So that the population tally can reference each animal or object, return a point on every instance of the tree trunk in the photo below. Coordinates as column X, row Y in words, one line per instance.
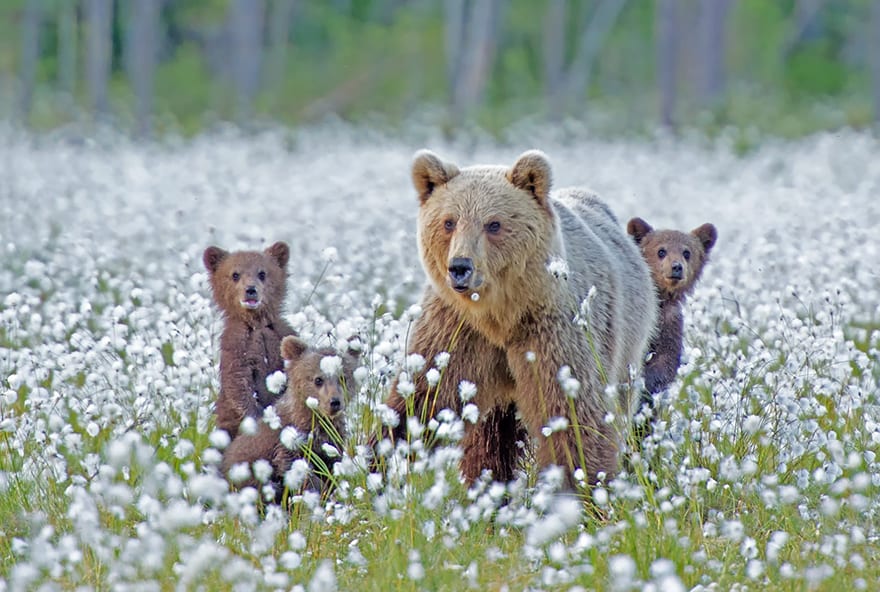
column 477, row 57
column 30, row 56
column 246, row 22
column 67, row 52
column 99, row 15
column 554, row 54
column 142, row 52
column 667, row 59
column 713, row 15
column 592, row 40
column 279, row 37
column 874, row 48
column 453, row 15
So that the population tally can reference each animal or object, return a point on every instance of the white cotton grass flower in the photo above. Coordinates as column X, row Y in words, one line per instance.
column 565, row 513
column 470, row 413
column 262, row 470
column 331, row 365
column 329, row 255
column 475, row 296
column 324, row 578
column 570, row 385
column 219, row 439
column 556, row 424
column 270, row 417
column 414, row 363
column 291, row 438
column 239, row 472
column 441, row 360
column 558, row 268
column 329, row 450
column 248, row 426
column 276, row 382
column 432, row 376
column 312, row 403
column 467, row 390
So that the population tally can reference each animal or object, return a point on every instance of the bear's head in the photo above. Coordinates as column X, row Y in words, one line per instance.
column 248, row 284
column 676, row 258
column 482, row 229
column 322, row 375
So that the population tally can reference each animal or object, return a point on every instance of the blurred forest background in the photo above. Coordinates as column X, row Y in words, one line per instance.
column 782, row 67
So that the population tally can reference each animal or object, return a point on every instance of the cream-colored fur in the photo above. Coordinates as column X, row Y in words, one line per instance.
column 487, row 235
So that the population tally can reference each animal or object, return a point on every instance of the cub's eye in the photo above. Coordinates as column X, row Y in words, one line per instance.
column 686, row 255
column 493, row 227
column 449, row 225
column 236, row 276
column 319, row 381
column 262, row 276
column 661, row 253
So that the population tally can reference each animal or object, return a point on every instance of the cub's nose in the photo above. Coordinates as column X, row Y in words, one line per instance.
column 460, row 271
column 335, row 404
column 677, row 270
column 251, row 292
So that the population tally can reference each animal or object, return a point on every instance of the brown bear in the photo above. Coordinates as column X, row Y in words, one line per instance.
column 249, row 287
column 542, row 302
column 319, row 382
column 676, row 260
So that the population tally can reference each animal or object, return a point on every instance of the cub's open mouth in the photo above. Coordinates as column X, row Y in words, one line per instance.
column 250, row 304
column 461, row 289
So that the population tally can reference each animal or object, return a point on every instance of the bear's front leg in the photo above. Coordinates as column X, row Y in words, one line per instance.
column 496, row 443
column 569, row 418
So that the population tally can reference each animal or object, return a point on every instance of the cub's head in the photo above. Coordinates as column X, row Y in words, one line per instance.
column 480, row 228
column 248, row 283
column 676, row 258
column 320, row 374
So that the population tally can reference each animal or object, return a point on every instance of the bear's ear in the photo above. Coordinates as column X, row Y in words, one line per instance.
column 428, row 171
column 707, row 235
column 292, row 347
column 532, row 173
column 638, row 229
column 280, row 252
column 212, row 258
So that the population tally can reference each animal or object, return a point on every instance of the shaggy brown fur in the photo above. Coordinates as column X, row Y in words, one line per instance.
column 249, row 287
column 323, row 425
column 486, row 235
column 676, row 260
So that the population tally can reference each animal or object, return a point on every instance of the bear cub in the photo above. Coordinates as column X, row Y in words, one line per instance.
column 676, row 260
column 319, row 382
column 249, row 287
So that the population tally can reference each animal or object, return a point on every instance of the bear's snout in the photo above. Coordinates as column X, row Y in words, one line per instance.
column 335, row 404
column 677, row 271
column 461, row 269
column 251, row 297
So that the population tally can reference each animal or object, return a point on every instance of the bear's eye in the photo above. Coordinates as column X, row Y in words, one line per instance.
column 661, row 253
column 449, row 225
column 493, row 227
column 236, row 276
column 686, row 255
column 319, row 381
column 262, row 276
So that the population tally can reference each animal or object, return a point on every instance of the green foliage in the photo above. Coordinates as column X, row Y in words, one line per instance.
column 367, row 58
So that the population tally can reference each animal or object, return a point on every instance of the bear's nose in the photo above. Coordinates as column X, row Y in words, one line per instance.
column 460, row 271
column 250, row 292
column 335, row 404
column 677, row 270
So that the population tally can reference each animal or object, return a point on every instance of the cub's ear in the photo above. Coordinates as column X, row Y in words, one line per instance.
column 429, row 171
column 532, row 173
column 707, row 235
column 292, row 347
column 355, row 347
column 212, row 258
column 280, row 252
column 638, row 229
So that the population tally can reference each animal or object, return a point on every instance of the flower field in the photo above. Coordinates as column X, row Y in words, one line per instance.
column 761, row 473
